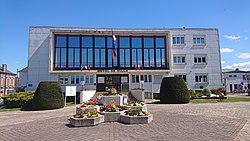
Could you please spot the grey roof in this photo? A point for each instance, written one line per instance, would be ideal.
(119, 29)
(8, 72)
(24, 69)
(237, 71)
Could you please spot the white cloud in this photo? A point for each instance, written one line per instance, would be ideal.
(232, 37)
(244, 55)
(242, 66)
(223, 62)
(246, 38)
(226, 50)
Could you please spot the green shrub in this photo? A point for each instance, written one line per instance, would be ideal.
(206, 92)
(192, 93)
(48, 95)
(174, 90)
(17, 100)
(201, 87)
(199, 93)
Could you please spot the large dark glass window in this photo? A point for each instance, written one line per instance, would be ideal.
(60, 56)
(87, 47)
(74, 51)
(160, 51)
(100, 51)
(137, 51)
(149, 52)
(124, 52)
(112, 63)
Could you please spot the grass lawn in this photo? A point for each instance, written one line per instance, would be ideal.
(3, 109)
(229, 99)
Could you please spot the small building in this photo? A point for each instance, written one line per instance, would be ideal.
(7, 81)
(236, 80)
(132, 58)
(23, 77)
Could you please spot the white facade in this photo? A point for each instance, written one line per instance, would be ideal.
(23, 78)
(200, 65)
(236, 81)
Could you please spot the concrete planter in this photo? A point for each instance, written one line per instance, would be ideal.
(141, 108)
(136, 119)
(112, 116)
(105, 100)
(81, 122)
(91, 109)
(138, 94)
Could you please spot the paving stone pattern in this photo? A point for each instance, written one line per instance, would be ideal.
(172, 122)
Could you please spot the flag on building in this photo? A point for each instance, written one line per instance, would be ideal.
(88, 68)
(138, 67)
(85, 68)
(113, 46)
(82, 68)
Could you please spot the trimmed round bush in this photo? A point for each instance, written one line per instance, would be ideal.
(48, 95)
(174, 91)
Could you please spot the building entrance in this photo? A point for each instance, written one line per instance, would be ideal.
(115, 81)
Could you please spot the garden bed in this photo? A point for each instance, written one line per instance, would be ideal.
(112, 116)
(106, 100)
(136, 119)
(90, 109)
(141, 108)
(82, 122)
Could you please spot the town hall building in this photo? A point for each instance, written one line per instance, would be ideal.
(124, 58)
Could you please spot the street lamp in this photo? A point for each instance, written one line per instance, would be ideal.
(4, 87)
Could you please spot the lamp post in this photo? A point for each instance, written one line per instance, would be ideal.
(4, 87)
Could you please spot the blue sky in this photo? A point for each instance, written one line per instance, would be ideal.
(231, 17)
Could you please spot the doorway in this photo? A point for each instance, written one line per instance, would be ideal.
(115, 81)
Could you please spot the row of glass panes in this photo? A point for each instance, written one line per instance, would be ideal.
(181, 59)
(198, 78)
(145, 78)
(181, 40)
(76, 79)
(100, 41)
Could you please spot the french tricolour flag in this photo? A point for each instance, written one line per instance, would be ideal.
(113, 46)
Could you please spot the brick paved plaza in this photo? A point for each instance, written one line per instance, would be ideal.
(199, 122)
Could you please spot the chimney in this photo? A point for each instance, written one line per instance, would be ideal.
(4, 67)
(237, 69)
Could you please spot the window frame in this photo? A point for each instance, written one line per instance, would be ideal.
(181, 39)
(202, 78)
(179, 59)
(200, 37)
(200, 59)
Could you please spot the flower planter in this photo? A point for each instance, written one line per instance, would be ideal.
(81, 122)
(141, 108)
(105, 100)
(136, 119)
(91, 109)
(112, 116)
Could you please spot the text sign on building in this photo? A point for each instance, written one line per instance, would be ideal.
(70, 90)
(124, 79)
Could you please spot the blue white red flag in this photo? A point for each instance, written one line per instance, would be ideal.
(113, 46)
